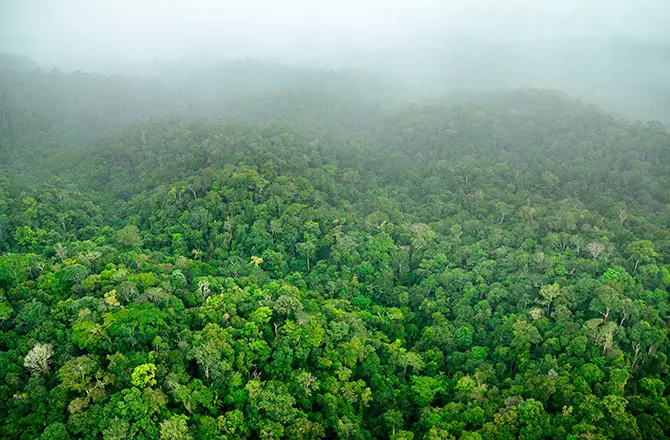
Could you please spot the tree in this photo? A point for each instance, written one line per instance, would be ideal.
(548, 293)
(77, 374)
(144, 375)
(393, 420)
(426, 388)
(55, 431)
(595, 249)
(307, 250)
(404, 358)
(129, 237)
(175, 428)
(533, 419)
(641, 251)
(6, 311)
(212, 348)
(24, 236)
(37, 359)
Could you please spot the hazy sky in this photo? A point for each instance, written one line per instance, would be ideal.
(67, 30)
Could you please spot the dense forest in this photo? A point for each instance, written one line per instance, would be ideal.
(274, 252)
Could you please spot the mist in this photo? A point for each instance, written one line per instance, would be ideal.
(77, 31)
(615, 53)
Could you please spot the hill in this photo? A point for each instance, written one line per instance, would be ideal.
(306, 263)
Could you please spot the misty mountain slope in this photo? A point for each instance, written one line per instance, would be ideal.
(624, 75)
(59, 110)
(247, 76)
(308, 265)
(18, 63)
(71, 109)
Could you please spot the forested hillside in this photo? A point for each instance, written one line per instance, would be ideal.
(49, 113)
(308, 261)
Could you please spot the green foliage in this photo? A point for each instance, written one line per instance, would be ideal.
(144, 375)
(129, 236)
(55, 431)
(24, 236)
(318, 267)
(175, 428)
(610, 275)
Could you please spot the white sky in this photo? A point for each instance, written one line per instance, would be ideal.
(140, 29)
